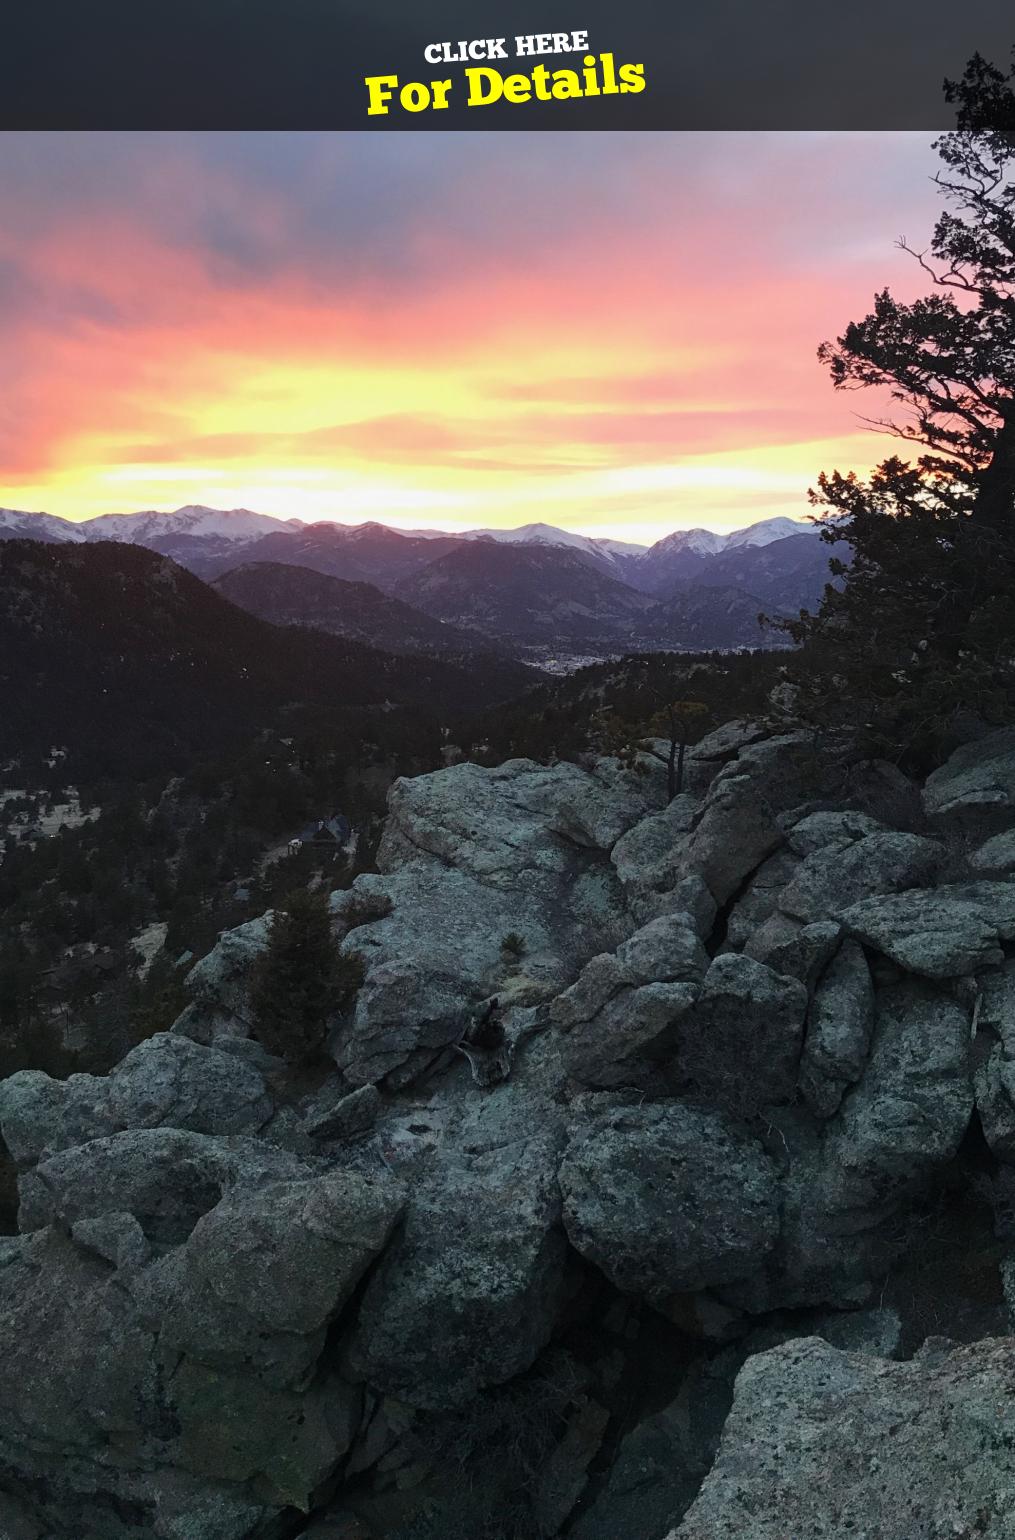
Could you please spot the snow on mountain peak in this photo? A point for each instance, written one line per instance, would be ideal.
(529, 534)
(619, 547)
(767, 530)
(549, 534)
(39, 526)
(232, 524)
(703, 542)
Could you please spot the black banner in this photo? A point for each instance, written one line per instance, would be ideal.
(561, 64)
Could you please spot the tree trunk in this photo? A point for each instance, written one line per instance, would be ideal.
(983, 543)
(680, 769)
(994, 509)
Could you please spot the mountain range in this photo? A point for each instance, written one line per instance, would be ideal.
(539, 591)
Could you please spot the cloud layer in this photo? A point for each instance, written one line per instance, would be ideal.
(616, 332)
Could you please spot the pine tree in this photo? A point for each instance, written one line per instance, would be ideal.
(302, 979)
(918, 647)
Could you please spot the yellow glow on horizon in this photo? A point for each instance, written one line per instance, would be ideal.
(434, 447)
(583, 435)
(640, 503)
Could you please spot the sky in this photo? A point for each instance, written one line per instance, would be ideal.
(615, 333)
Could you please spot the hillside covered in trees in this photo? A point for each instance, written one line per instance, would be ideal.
(132, 666)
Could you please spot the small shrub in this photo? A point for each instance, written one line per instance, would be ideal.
(513, 945)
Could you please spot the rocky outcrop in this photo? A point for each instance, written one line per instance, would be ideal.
(630, 1035)
(737, 1050)
(660, 1464)
(733, 835)
(469, 1295)
(826, 831)
(667, 1200)
(166, 1082)
(748, 780)
(162, 1321)
(521, 850)
(833, 878)
(826, 1444)
(975, 789)
(845, 1193)
(647, 858)
(337, 1116)
(264, 1272)
(219, 984)
(740, 1044)
(795, 950)
(166, 1178)
(634, 1018)
(995, 1071)
(940, 933)
(619, 1014)
(759, 901)
(912, 1106)
(718, 749)
(667, 950)
(996, 856)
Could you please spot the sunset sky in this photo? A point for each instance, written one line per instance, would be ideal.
(615, 333)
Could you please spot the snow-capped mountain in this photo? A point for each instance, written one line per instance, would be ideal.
(765, 531)
(16, 525)
(150, 528)
(153, 529)
(239, 526)
(700, 542)
(619, 547)
(598, 549)
(194, 536)
(706, 542)
(549, 534)
(698, 555)
(703, 542)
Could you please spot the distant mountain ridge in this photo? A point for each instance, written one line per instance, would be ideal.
(236, 526)
(539, 595)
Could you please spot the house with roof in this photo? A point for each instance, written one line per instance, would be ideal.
(333, 831)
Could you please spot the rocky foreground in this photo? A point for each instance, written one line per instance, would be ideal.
(715, 1243)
